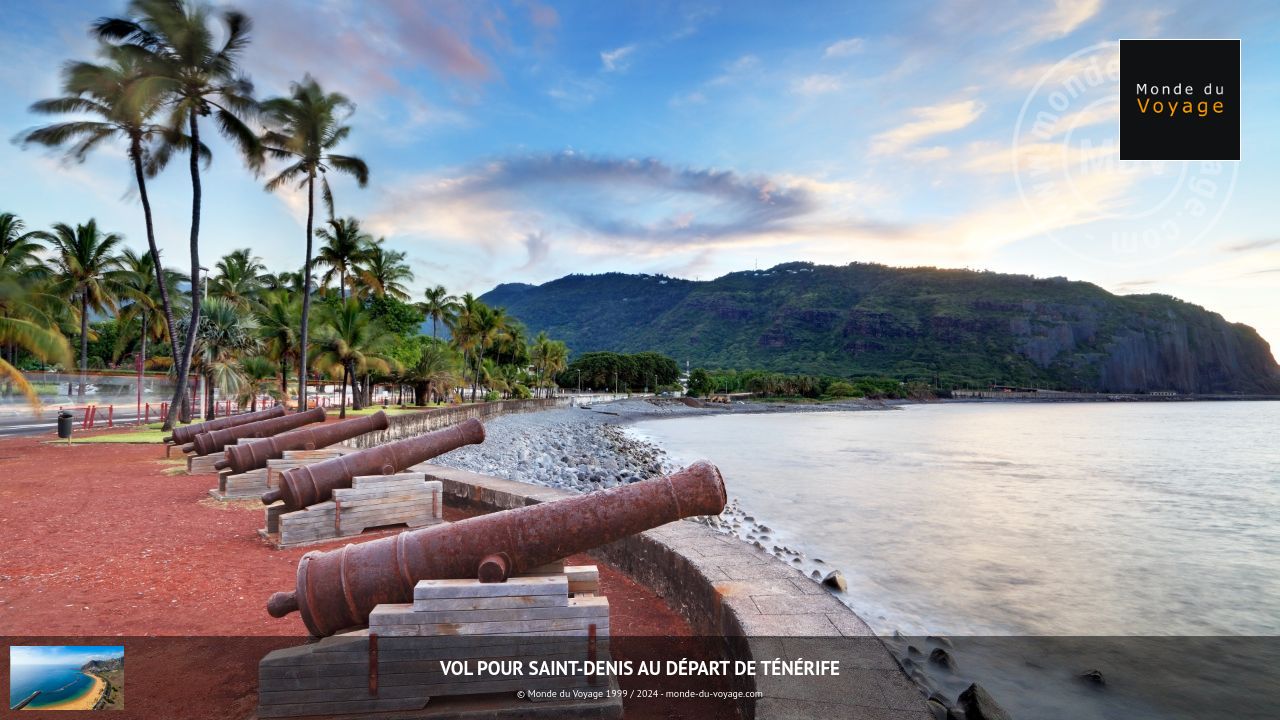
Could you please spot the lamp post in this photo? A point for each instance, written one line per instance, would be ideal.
(579, 381)
(205, 281)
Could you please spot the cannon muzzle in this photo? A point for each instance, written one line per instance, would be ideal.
(314, 483)
(339, 588)
(253, 455)
(185, 433)
(215, 441)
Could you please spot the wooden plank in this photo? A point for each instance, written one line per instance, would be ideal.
(588, 607)
(513, 627)
(490, 603)
(521, 585)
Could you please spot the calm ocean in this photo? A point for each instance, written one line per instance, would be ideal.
(1006, 520)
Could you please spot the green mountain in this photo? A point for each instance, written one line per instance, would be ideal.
(964, 327)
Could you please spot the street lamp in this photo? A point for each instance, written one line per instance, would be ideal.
(579, 381)
(205, 270)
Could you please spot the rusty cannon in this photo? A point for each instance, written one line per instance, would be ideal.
(311, 484)
(338, 589)
(253, 455)
(211, 442)
(184, 434)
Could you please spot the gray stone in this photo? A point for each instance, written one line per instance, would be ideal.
(835, 580)
(978, 704)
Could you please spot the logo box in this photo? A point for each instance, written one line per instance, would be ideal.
(1180, 99)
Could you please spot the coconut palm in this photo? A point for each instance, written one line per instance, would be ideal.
(384, 272)
(350, 340)
(435, 373)
(343, 251)
(19, 262)
(198, 77)
(225, 334)
(139, 302)
(87, 271)
(549, 357)
(278, 317)
(124, 105)
(259, 375)
(304, 129)
(439, 306)
(239, 277)
(24, 325)
(20, 249)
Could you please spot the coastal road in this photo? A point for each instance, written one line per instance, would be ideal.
(18, 425)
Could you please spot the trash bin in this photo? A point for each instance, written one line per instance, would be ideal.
(64, 425)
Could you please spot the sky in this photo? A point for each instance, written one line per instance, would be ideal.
(522, 141)
(25, 655)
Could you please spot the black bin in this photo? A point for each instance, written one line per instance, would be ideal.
(64, 425)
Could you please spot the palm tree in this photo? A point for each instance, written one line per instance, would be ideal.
(19, 262)
(383, 272)
(87, 271)
(259, 374)
(465, 331)
(197, 78)
(24, 325)
(139, 294)
(20, 249)
(549, 357)
(225, 334)
(439, 306)
(278, 317)
(353, 342)
(239, 277)
(435, 373)
(304, 129)
(125, 104)
(342, 253)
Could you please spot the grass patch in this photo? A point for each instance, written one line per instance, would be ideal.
(137, 436)
(390, 410)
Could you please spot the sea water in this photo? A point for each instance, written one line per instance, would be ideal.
(1015, 524)
(56, 683)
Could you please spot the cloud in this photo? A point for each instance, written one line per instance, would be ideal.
(1064, 18)
(1250, 245)
(616, 60)
(538, 247)
(844, 48)
(930, 120)
(818, 84)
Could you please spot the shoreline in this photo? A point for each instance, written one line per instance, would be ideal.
(87, 701)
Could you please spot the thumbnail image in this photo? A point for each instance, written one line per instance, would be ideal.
(66, 677)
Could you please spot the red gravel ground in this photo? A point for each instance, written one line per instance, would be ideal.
(102, 540)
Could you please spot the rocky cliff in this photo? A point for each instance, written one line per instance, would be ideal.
(956, 326)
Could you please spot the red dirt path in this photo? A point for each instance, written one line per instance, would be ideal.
(97, 540)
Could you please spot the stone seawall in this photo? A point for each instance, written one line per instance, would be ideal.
(761, 607)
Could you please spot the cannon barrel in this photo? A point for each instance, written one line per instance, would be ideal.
(253, 455)
(314, 483)
(215, 441)
(339, 588)
(183, 434)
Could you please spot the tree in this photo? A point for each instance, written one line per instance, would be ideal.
(239, 278)
(435, 372)
(440, 306)
(20, 264)
(25, 325)
(173, 39)
(700, 384)
(343, 251)
(225, 334)
(383, 272)
(87, 271)
(304, 128)
(279, 315)
(353, 342)
(140, 304)
(259, 374)
(125, 102)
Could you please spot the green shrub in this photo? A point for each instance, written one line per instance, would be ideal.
(842, 389)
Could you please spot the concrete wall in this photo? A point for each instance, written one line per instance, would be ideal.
(762, 608)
